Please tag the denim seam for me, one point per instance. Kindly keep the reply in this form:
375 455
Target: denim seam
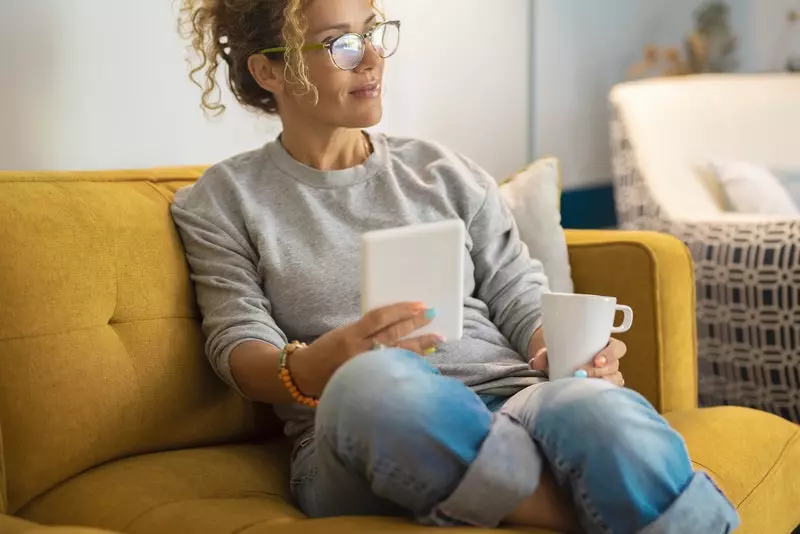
441 519
578 491
306 476
382 466
310 473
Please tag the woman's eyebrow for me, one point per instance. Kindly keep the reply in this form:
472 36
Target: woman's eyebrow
345 27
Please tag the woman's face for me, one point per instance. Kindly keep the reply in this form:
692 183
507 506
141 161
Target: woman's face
347 99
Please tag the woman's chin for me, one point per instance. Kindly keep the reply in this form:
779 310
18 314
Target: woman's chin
364 118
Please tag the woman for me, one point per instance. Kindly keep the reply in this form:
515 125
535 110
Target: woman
468 432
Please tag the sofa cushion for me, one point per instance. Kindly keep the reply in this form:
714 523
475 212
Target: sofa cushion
101 350
754 188
213 489
216 490
754 456
790 179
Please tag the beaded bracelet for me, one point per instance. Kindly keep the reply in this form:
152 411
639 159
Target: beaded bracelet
286 375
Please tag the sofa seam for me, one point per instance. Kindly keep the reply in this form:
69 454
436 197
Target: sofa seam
176 501
190 173
250 525
152 184
771 470
83 329
99 180
706 468
152 319
695 348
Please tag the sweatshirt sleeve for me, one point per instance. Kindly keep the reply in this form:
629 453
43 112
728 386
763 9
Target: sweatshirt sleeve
507 279
228 286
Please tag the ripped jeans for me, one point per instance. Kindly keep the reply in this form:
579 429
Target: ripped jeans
394 437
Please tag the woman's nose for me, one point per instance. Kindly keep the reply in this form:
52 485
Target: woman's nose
371 57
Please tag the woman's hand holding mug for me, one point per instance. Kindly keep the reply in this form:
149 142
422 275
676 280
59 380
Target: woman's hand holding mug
577 329
605 365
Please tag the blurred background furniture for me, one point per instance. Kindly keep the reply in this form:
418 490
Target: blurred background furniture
664 133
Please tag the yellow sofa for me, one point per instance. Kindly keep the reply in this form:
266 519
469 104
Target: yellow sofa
111 418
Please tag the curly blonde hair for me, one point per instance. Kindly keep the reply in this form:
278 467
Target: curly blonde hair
233 30
230 31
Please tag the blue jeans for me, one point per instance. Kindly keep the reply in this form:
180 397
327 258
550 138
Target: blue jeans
394 437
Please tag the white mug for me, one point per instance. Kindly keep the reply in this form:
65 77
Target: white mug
578 327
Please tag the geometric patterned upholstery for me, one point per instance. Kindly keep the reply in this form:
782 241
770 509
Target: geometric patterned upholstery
748 293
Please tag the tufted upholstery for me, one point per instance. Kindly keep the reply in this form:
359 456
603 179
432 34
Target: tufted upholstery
99 339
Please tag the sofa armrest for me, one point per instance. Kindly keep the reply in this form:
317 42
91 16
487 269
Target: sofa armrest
14 525
653 274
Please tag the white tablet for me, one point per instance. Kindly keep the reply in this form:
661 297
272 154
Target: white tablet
418 263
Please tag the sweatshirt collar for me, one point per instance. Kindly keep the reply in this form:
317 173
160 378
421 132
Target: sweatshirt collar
377 161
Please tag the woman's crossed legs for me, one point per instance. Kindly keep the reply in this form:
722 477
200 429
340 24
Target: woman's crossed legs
394 437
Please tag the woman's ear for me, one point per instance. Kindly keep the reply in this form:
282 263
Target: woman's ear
268 74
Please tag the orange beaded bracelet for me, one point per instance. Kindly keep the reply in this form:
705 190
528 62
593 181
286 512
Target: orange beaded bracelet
286 376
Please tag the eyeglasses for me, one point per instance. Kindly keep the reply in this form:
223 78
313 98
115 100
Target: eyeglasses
347 51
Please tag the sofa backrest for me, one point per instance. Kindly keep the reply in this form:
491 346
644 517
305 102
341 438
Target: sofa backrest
676 126
101 353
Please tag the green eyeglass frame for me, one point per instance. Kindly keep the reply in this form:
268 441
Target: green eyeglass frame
330 44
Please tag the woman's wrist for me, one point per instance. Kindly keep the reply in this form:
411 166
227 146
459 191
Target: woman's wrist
304 374
536 344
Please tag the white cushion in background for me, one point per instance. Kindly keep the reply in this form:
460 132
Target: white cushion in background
754 188
790 179
533 196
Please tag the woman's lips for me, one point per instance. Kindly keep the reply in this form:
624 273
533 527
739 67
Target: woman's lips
370 90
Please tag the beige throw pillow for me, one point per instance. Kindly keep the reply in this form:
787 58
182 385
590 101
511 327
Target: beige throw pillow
534 198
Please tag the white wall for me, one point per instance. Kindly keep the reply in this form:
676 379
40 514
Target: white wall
102 84
581 49
768 38
462 76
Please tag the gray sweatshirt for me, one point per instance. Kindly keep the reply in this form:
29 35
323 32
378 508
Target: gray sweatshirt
273 248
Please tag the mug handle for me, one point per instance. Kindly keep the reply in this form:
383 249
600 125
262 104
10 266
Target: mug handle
627 322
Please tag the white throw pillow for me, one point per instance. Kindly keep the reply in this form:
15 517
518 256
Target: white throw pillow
534 197
754 188
790 180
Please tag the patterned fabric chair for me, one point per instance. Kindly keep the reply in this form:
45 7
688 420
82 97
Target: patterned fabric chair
664 133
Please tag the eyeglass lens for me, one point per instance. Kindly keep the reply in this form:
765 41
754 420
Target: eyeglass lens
348 50
386 39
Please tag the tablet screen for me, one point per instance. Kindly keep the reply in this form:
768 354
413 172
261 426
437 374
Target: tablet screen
418 263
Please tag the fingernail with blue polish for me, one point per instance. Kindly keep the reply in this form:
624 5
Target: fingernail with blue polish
430 314
581 373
